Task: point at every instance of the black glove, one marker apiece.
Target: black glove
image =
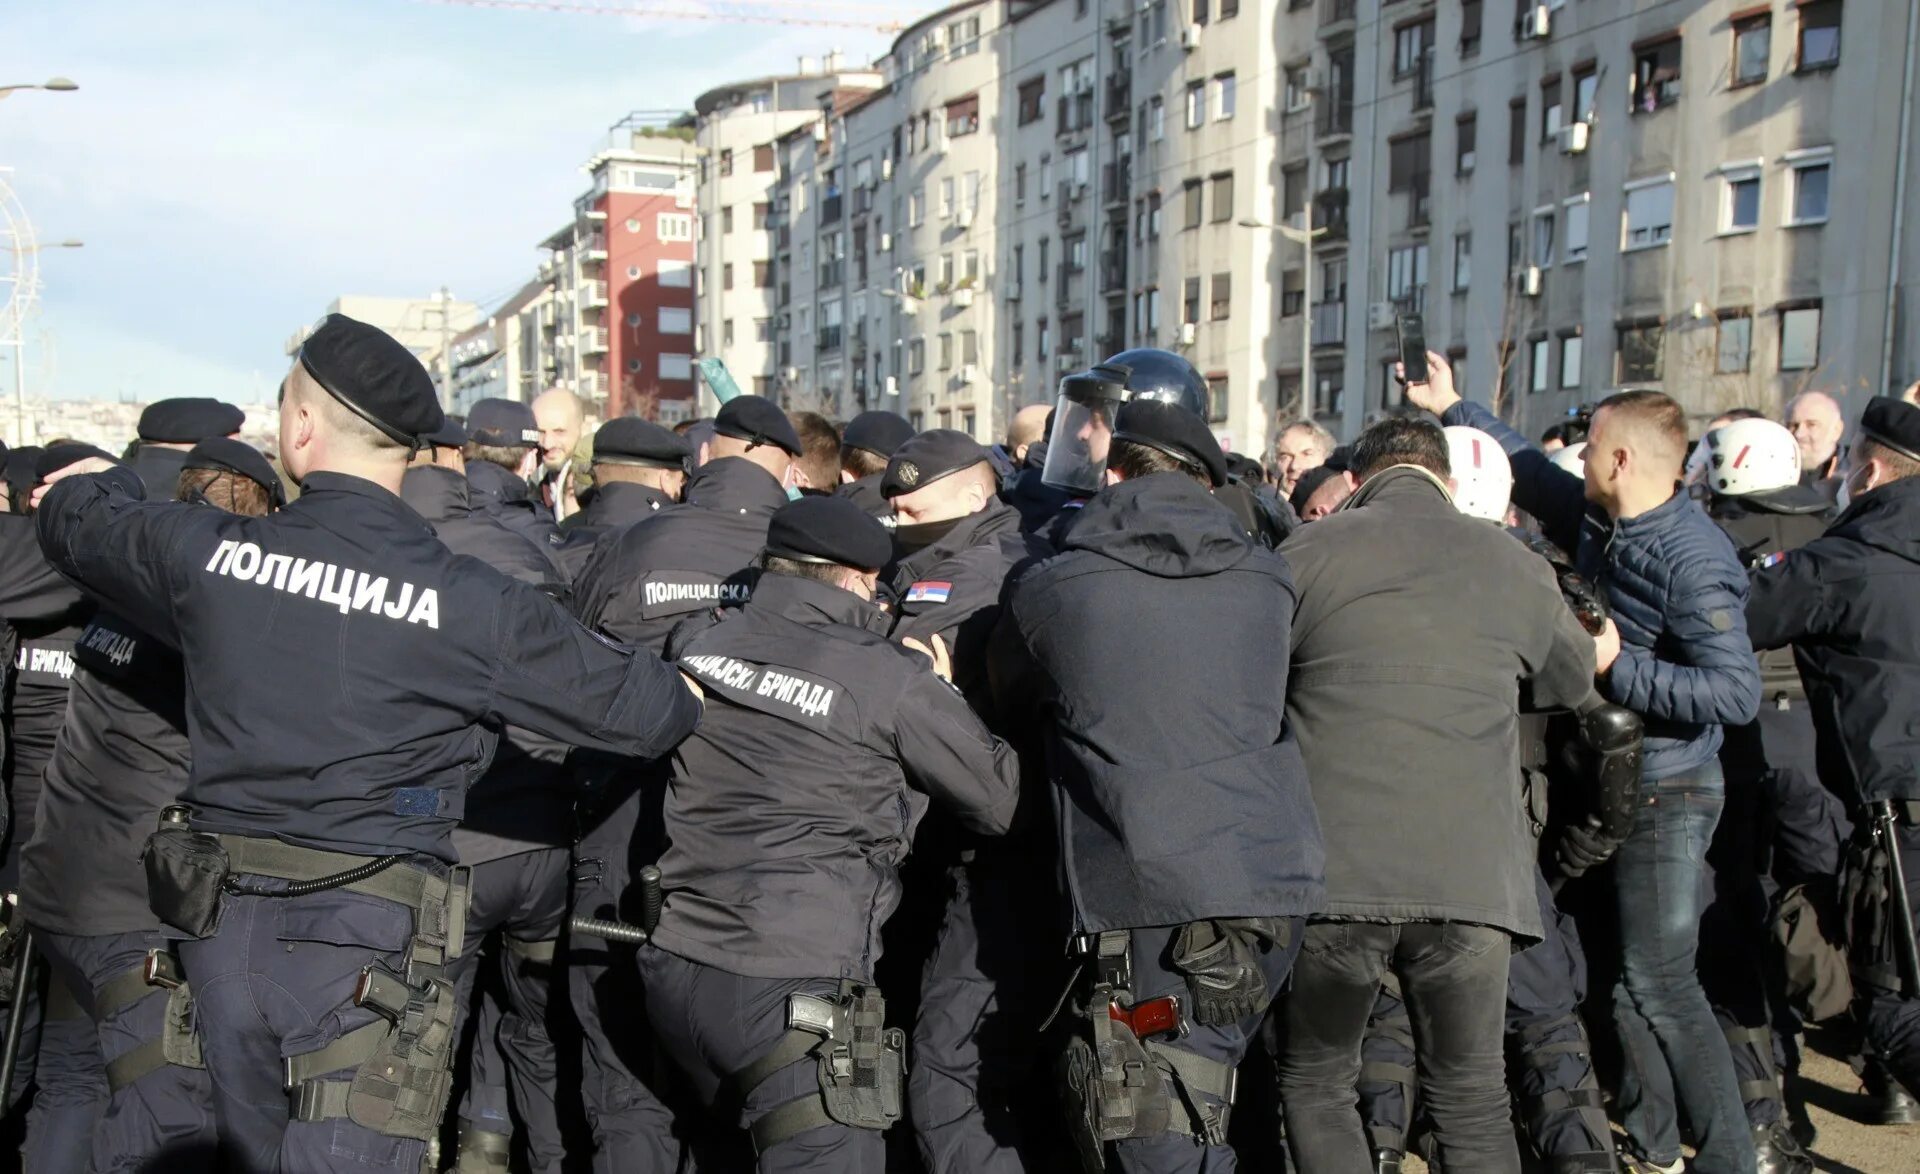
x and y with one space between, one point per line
1221 960
1581 846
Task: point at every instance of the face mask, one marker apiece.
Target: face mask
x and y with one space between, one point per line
793 493
1845 496
915 538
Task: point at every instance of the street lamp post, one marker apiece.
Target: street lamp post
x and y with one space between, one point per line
1304 237
57 85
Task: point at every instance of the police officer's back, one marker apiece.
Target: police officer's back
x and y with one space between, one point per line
437 489
502 455
168 429
789 819
639 469
867 444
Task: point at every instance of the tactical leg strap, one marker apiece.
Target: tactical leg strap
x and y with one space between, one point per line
1584 1100
1380 1072
789 1120
1191 1076
482 1151
176 1043
1758 1042
314 1099
531 951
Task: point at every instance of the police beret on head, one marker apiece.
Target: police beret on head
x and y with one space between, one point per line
1894 423
928 457
877 432
189 420
829 530
504 422
48 461
1245 467
452 433
1174 431
630 440
757 421
379 380
238 457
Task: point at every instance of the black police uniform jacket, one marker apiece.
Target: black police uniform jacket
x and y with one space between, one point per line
792 807
508 499
159 469
32 594
1845 602
645 579
42 624
342 667
521 803
865 493
121 756
608 507
1156 645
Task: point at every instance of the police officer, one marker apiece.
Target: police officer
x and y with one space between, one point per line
639 468
168 430
502 454
1750 470
866 445
1186 830
513 839
1844 602
981 993
789 813
326 801
121 757
640 582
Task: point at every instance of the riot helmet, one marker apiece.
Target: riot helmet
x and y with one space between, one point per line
1572 459
1088 401
1748 456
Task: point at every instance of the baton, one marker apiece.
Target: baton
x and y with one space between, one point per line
1903 907
612 931
16 1017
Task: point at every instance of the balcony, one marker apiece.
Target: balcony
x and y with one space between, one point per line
593 294
1423 86
1420 202
1411 300
831 273
1119 95
1330 213
1330 324
1333 120
1113 271
1063 286
1336 17
827 339
1116 178
593 386
830 209
1076 112
593 340
593 249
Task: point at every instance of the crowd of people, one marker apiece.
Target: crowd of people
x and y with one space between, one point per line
771 793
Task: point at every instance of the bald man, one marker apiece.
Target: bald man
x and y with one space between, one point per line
1816 423
1029 426
560 416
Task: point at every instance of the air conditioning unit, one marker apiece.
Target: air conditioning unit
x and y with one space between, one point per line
892 386
1573 138
1379 315
964 218
963 297
969 373
886 242
1010 294
1536 22
1190 37
1531 281
820 130
1188 332
886 167
789 373
1066 362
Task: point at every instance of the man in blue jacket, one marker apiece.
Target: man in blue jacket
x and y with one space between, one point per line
1679 596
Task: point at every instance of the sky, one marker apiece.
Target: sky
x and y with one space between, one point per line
234 165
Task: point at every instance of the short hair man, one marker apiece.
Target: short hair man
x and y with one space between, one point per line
1027 428
869 442
819 462
502 455
1816 423
1301 445
559 416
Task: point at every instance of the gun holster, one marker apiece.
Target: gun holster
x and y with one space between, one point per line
862 1066
1112 1089
402 1089
186 871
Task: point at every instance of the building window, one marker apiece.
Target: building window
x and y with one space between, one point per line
1216 398
916 208
1329 394
1410 43
1229 9
946 352
763 330
676 367
633 224
633 273
1153 216
1649 214
1293 190
1223 197
673 226
1299 97
1733 351
1638 345
1752 45
726 275
1517 132
1017 342
726 219
762 275
1575 233
1800 336
1543 237
963 116
726 163
1199 10
1469 27
1046 176
1551 114
1811 174
1540 364
1407 277
916 356
1033 100
1220 305
1656 75
759 217
1819 34
1462 261
1153 311
1586 89
1740 200
1194 199
1465 131
1190 300
1196 104
1223 96
763 157
1293 295
1570 355
1043 340
1156 119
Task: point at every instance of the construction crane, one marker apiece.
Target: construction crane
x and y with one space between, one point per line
832 14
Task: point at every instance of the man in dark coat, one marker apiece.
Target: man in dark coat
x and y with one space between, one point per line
639 468
502 454
1417 630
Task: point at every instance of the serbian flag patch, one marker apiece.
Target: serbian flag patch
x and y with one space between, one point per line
1773 560
929 591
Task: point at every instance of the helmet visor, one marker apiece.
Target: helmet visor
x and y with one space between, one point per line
1077 448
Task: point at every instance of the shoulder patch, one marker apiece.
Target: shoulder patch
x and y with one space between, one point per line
1773 560
1721 619
930 591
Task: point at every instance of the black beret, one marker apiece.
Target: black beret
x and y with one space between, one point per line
877 432
378 379
1174 431
22 471
242 459
927 458
452 433
828 530
1308 482
1245 467
189 420
1894 423
51 460
757 421
630 440
505 422
1340 460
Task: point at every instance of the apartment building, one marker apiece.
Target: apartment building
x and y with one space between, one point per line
497 358
621 330
1576 195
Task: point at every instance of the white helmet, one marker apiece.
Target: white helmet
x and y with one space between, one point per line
1572 458
1749 456
1483 480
